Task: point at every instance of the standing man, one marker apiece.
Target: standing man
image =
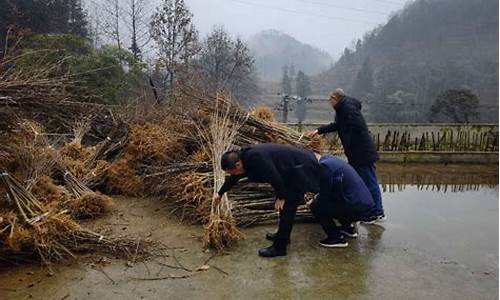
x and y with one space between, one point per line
290 171
358 145
344 196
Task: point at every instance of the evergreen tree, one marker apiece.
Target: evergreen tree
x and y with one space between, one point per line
41 17
286 83
458 105
302 85
364 80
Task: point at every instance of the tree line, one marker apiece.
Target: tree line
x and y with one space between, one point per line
120 50
429 51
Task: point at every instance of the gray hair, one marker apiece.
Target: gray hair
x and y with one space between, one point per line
339 92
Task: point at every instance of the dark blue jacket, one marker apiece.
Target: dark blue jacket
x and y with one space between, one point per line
289 170
341 184
353 132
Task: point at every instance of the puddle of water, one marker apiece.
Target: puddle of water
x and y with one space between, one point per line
453 224
440 242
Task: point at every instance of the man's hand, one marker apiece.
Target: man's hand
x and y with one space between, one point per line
312 200
279 204
312 133
217 199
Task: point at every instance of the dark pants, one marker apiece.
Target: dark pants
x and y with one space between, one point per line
325 211
287 216
369 176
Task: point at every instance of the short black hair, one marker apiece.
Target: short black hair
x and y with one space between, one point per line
229 159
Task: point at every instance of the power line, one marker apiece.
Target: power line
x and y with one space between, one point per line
302 13
392 2
345 7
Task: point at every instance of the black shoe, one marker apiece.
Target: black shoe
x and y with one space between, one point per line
270 237
349 230
339 242
272 251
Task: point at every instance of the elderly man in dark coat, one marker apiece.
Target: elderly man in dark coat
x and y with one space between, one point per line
358 145
290 171
344 197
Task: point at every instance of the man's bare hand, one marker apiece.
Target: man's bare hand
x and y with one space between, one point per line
312 133
279 204
217 199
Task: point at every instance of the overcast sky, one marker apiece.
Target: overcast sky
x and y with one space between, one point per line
330 25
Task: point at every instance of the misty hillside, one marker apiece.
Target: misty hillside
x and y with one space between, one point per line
273 49
427 48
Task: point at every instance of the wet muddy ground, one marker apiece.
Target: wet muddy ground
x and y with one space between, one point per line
439 242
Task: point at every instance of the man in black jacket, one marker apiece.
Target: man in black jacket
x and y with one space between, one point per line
358 145
290 171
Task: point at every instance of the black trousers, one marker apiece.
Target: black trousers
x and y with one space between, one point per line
325 211
287 216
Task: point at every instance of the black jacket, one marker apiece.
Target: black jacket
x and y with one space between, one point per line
353 132
289 170
343 188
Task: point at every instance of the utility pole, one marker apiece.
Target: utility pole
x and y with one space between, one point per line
284 106
289 103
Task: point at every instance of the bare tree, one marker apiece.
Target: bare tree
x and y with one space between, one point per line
138 26
112 16
227 65
173 30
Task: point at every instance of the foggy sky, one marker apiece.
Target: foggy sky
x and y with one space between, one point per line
330 25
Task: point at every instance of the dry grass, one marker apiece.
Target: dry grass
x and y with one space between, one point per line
31 229
192 196
27 154
155 142
90 205
222 233
122 177
47 191
200 156
76 151
264 113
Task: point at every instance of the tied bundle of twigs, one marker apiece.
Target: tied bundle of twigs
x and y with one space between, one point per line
221 231
255 129
86 203
33 229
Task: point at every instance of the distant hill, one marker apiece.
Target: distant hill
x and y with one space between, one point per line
273 49
428 47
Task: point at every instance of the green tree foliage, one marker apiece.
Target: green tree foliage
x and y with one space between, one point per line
227 65
174 32
458 105
108 72
40 17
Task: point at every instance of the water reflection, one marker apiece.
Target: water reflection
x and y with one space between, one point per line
314 272
437 177
436 187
